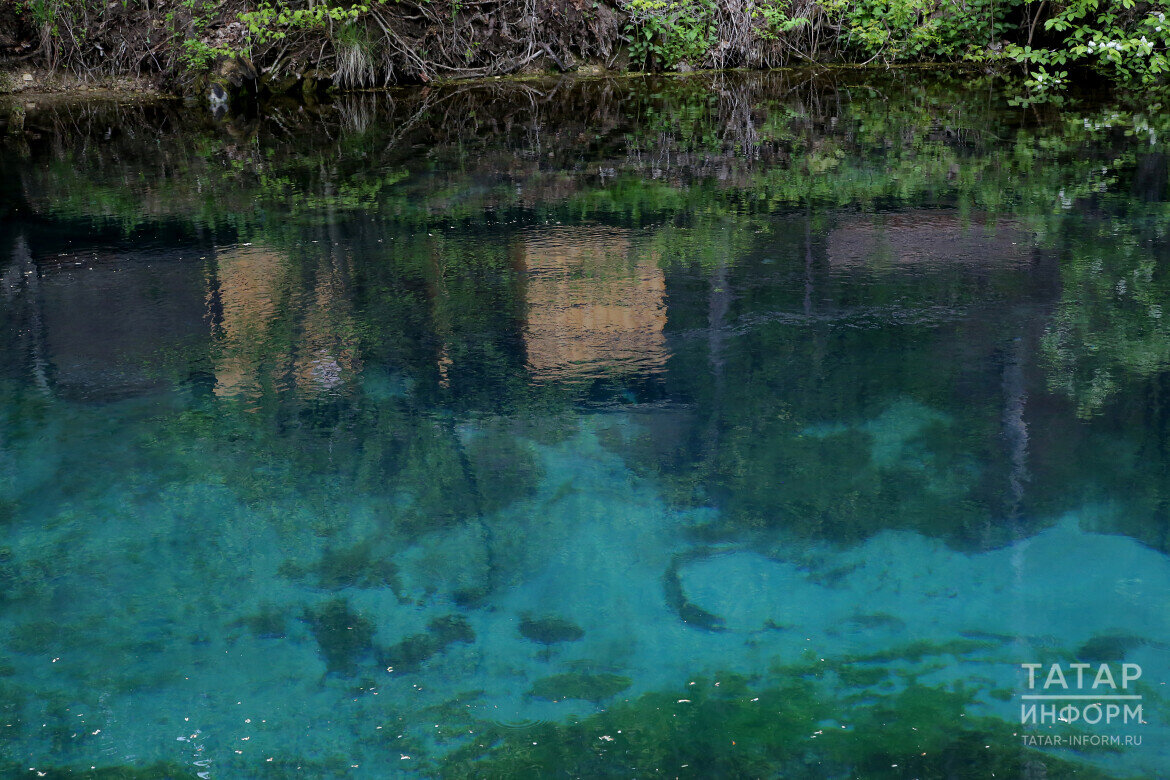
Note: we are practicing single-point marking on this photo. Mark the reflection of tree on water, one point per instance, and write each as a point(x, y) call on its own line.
point(279, 330)
point(20, 284)
point(701, 171)
point(248, 284)
point(1015, 429)
point(595, 304)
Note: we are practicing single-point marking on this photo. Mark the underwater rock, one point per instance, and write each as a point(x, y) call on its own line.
point(410, 654)
point(579, 685)
point(451, 629)
point(550, 630)
point(343, 636)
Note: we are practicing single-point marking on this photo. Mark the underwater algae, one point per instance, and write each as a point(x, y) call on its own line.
point(409, 654)
point(343, 636)
point(732, 728)
point(550, 631)
point(579, 685)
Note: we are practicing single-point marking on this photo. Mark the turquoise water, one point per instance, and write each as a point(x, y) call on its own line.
point(727, 426)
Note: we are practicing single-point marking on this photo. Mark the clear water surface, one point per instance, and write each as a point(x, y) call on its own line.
point(720, 426)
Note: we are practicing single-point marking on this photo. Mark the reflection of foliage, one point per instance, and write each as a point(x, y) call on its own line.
point(1110, 324)
point(903, 467)
point(812, 141)
point(429, 293)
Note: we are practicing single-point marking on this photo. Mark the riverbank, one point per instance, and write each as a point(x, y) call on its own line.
point(25, 93)
point(40, 83)
point(232, 49)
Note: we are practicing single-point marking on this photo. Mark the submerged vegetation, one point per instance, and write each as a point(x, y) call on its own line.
point(734, 727)
point(550, 631)
point(299, 46)
point(389, 384)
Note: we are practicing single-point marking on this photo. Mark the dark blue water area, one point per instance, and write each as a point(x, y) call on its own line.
point(725, 426)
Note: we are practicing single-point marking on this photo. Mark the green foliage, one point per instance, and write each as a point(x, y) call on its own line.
point(915, 30)
point(667, 33)
point(1127, 41)
point(42, 13)
point(196, 16)
point(200, 56)
point(271, 22)
point(773, 19)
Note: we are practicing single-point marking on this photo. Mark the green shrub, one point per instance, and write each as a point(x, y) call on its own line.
point(665, 33)
point(1116, 39)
